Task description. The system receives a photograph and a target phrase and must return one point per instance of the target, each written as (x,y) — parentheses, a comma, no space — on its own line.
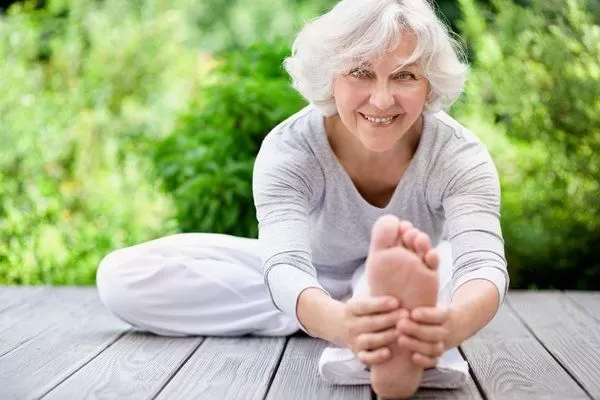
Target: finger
(374,357)
(409,238)
(384,233)
(425,333)
(417,346)
(422,244)
(431,315)
(369,341)
(379,322)
(424,361)
(372,305)
(432,259)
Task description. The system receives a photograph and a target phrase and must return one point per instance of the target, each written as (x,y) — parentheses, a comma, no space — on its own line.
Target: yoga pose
(378,213)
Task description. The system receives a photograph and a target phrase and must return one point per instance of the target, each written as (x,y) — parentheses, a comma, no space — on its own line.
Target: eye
(405,76)
(359,73)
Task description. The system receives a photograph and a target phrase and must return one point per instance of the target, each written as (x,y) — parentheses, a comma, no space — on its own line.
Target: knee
(112,285)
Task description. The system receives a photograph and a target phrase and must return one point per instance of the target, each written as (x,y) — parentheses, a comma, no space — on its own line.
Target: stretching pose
(371,185)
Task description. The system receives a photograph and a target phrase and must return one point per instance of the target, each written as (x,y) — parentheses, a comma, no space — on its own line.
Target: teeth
(379,120)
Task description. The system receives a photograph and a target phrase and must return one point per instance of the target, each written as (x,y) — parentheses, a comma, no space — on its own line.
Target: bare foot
(393,269)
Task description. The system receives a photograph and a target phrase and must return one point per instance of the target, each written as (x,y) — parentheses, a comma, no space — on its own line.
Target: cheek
(347,98)
(413,100)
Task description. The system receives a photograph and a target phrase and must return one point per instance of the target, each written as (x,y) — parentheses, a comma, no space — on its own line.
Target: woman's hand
(425,333)
(370,323)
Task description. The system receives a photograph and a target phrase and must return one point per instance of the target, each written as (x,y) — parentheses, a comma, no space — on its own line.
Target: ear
(431,97)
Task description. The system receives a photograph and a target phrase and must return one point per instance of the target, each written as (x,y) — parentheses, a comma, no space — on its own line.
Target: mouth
(380,121)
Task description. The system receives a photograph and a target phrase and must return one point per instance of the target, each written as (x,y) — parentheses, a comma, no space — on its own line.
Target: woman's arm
(473,305)
(322,316)
(465,186)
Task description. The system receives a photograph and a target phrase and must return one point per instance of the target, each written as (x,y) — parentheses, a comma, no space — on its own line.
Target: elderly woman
(353,195)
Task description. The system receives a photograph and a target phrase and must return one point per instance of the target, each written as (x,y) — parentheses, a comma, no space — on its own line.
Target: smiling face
(378,102)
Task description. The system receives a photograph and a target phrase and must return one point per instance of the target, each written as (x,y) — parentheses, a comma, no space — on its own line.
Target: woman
(352,194)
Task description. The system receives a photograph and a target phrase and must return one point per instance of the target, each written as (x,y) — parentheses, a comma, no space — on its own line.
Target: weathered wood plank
(298,376)
(469,391)
(137,366)
(40,364)
(227,368)
(589,301)
(509,363)
(11,296)
(569,333)
(25,321)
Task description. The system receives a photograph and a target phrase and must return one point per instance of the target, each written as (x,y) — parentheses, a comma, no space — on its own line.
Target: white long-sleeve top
(313,221)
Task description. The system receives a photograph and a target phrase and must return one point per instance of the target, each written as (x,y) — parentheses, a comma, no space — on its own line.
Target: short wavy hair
(355,31)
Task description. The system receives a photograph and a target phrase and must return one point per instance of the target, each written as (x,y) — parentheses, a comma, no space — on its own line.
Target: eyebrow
(369,65)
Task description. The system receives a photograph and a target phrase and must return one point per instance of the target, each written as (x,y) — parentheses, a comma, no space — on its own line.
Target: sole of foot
(395,270)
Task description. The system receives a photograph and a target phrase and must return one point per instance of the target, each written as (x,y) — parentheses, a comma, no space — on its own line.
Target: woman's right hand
(370,324)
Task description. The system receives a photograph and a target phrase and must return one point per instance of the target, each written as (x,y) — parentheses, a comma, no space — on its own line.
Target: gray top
(312,218)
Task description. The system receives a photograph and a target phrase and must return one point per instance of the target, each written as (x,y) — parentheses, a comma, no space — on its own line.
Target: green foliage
(85,88)
(232,25)
(207,162)
(99,98)
(535,82)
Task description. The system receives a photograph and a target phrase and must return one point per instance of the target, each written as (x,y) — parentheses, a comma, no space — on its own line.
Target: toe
(432,259)
(385,233)
(408,237)
(422,244)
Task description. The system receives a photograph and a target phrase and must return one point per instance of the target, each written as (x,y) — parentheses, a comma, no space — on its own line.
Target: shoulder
(287,156)
(460,160)
(457,146)
(290,140)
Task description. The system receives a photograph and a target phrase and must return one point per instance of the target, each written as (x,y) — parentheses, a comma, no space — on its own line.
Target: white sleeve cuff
(494,275)
(285,284)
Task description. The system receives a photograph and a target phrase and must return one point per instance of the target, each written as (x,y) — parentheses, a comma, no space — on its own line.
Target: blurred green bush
(105,103)
(85,88)
(207,162)
(533,96)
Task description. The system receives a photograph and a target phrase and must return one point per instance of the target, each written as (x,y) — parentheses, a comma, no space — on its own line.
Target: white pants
(210,285)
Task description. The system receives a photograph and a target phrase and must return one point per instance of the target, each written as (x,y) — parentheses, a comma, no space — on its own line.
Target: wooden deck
(60,343)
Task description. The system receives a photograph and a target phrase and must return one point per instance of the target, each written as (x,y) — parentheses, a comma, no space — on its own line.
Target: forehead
(402,55)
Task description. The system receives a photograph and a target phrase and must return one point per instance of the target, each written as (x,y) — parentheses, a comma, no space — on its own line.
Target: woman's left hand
(425,333)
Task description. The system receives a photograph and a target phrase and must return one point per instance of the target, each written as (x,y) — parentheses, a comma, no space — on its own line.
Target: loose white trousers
(211,285)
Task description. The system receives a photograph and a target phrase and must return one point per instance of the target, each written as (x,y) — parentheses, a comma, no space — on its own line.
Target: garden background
(123,121)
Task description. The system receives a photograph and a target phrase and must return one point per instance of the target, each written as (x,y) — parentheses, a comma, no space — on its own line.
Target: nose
(382,97)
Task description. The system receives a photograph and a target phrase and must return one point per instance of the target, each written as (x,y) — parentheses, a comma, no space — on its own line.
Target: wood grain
(137,366)
(589,301)
(569,333)
(509,363)
(11,296)
(61,343)
(28,319)
(469,391)
(298,376)
(40,364)
(227,368)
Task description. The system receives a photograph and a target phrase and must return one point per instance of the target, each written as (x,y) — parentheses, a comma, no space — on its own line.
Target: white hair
(355,31)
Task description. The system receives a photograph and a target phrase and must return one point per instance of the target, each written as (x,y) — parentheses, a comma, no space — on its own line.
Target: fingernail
(392,303)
